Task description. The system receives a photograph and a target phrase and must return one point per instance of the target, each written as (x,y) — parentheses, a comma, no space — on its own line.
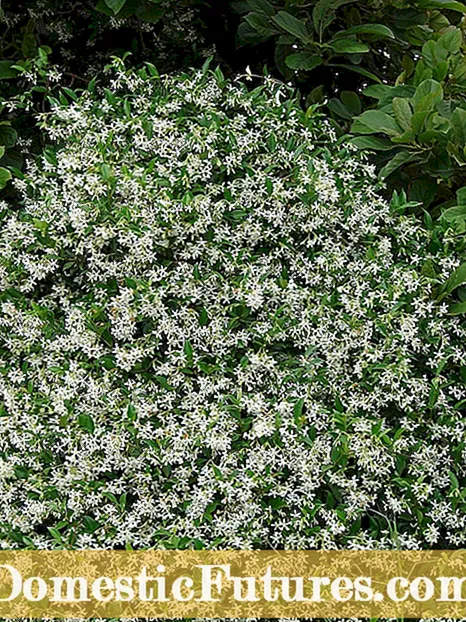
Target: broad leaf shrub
(214,332)
(329,44)
(419,124)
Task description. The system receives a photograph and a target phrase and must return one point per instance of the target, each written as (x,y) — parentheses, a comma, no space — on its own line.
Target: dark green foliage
(343,42)
(84,34)
(419,126)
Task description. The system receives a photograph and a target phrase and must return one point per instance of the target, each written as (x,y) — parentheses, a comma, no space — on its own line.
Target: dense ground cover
(216,332)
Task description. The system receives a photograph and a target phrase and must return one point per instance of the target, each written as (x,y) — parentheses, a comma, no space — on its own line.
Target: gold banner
(226,584)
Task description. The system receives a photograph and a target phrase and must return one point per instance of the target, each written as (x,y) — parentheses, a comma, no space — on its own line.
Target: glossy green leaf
(427,96)
(375,122)
(322,16)
(292,25)
(461,197)
(452,40)
(401,158)
(115,5)
(86,422)
(260,23)
(457,308)
(402,111)
(442,5)
(455,214)
(261,6)
(102,7)
(5,177)
(456,279)
(419,119)
(377,30)
(339,108)
(348,46)
(304,61)
(433,53)
(352,102)
(372,142)
(458,121)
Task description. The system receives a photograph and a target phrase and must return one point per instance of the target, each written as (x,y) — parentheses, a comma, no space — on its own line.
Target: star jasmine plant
(215,332)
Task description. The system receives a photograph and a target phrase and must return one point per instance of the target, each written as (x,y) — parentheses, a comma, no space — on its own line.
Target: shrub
(423,122)
(214,332)
(342,43)
(83,34)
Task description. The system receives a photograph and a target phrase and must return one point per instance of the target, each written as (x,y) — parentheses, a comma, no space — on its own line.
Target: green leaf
(6,70)
(433,54)
(131,412)
(56,535)
(427,96)
(102,7)
(452,40)
(456,279)
(261,6)
(402,111)
(375,122)
(115,5)
(458,121)
(348,46)
(352,102)
(324,14)
(461,196)
(188,350)
(378,30)
(90,524)
(86,422)
(419,119)
(298,407)
(372,142)
(455,214)
(404,157)
(400,462)
(339,108)
(303,60)
(316,96)
(106,171)
(261,24)
(458,308)
(2,151)
(440,71)
(386,93)
(357,69)
(442,5)
(5,177)
(423,190)
(454,480)
(292,25)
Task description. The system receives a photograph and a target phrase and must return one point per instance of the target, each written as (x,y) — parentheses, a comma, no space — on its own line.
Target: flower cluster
(214,332)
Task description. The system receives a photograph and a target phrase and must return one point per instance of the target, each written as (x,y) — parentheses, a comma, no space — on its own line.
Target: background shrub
(332,50)
(83,35)
(214,332)
(423,120)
